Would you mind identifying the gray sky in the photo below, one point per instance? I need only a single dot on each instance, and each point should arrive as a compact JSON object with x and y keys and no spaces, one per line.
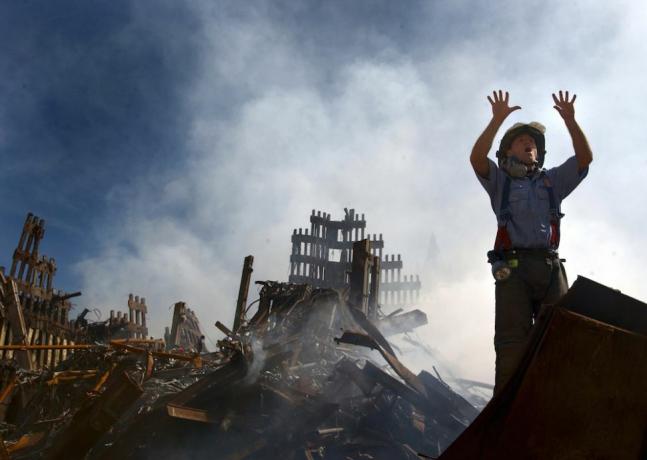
{"x":201,"y":132}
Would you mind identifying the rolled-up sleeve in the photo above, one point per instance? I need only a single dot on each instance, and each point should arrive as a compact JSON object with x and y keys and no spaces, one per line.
{"x":489,"y":183}
{"x":566,"y":177}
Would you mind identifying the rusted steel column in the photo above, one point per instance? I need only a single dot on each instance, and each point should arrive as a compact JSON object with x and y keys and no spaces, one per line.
{"x":358,"y":297}
{"x":242,"y":293}
{"x":374,"y":295}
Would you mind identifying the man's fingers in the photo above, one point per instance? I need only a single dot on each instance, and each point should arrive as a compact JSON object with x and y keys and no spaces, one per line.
{"x":516,"y":107}
{"x":496,"y":98}
{"x":566,"y":96}
{"x":558,"y":108}
{"x":561,"y":96}
{"x":555,"y":99}
{"x":500,"y":95}
{"x":490,"y":99}
{"x":507,"y":96}
{"x":574,"y":96}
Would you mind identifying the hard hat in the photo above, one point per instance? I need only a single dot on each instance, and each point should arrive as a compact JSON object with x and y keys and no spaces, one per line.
{"x":535,"y":129}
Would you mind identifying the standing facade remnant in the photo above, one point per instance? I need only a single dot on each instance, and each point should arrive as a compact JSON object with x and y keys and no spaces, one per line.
{"x":241,"y":303}
{"x":322,"y":257}
{"x":137,"y":309}
{"x":32,"y":311}
{"x":133,"y":324}
{"x":185,"y":330}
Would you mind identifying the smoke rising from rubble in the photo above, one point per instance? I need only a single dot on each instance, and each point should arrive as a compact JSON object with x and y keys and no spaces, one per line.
{"x":258,"y":362}
{"x":373,"y":108}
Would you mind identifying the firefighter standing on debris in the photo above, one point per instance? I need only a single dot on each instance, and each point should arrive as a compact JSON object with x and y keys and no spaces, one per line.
{"x":526,"y":200}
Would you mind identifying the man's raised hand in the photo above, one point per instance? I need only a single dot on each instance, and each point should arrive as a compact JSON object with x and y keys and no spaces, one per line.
{"x":500,"y":107}
{"x":565,"y":107}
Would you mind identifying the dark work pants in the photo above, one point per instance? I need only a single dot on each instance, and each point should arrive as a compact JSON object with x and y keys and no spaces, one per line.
{"x":535,"y":281}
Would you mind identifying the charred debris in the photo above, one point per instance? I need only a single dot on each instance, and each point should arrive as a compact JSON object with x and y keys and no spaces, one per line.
{"x":306,"y":371}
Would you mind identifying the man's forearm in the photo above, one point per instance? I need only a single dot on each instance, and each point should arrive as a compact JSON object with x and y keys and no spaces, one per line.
{"x":482,"y":147}
{"x":581,"y":146}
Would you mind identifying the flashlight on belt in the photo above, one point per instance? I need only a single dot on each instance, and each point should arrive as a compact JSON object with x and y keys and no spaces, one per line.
{"x":501,"y":268}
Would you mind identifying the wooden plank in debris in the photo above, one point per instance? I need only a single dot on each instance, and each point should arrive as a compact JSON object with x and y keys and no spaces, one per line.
{"x":241,"y":303}
{"x":189,"y":413}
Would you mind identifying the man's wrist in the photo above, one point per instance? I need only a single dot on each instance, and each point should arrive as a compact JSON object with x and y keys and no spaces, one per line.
{"x":570,"y":123}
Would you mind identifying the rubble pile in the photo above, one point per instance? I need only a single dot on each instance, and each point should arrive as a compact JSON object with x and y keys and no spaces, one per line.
{"x":308,"y":376}
{"x":304,"y":371}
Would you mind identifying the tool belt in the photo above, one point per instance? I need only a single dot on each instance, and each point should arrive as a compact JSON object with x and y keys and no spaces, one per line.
{"x":503,"y":262}
{"x":520,"y":253}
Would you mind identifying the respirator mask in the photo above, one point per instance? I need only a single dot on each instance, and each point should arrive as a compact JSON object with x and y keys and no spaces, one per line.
{"x":516,"y":168}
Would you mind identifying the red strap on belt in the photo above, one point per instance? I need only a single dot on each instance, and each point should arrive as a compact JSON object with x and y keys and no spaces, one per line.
{"x":554,"y":234}
{"x":502,"y":241}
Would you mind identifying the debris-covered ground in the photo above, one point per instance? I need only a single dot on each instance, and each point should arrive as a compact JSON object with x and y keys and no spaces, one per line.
{"x":306,"y":376}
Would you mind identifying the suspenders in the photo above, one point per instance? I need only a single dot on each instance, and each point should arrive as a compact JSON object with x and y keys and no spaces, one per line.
{"x":555,"y":214}
{"x":502,"y":241}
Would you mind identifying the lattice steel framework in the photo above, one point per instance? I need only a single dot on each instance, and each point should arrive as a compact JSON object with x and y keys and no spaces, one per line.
{"x":321,"y":256}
